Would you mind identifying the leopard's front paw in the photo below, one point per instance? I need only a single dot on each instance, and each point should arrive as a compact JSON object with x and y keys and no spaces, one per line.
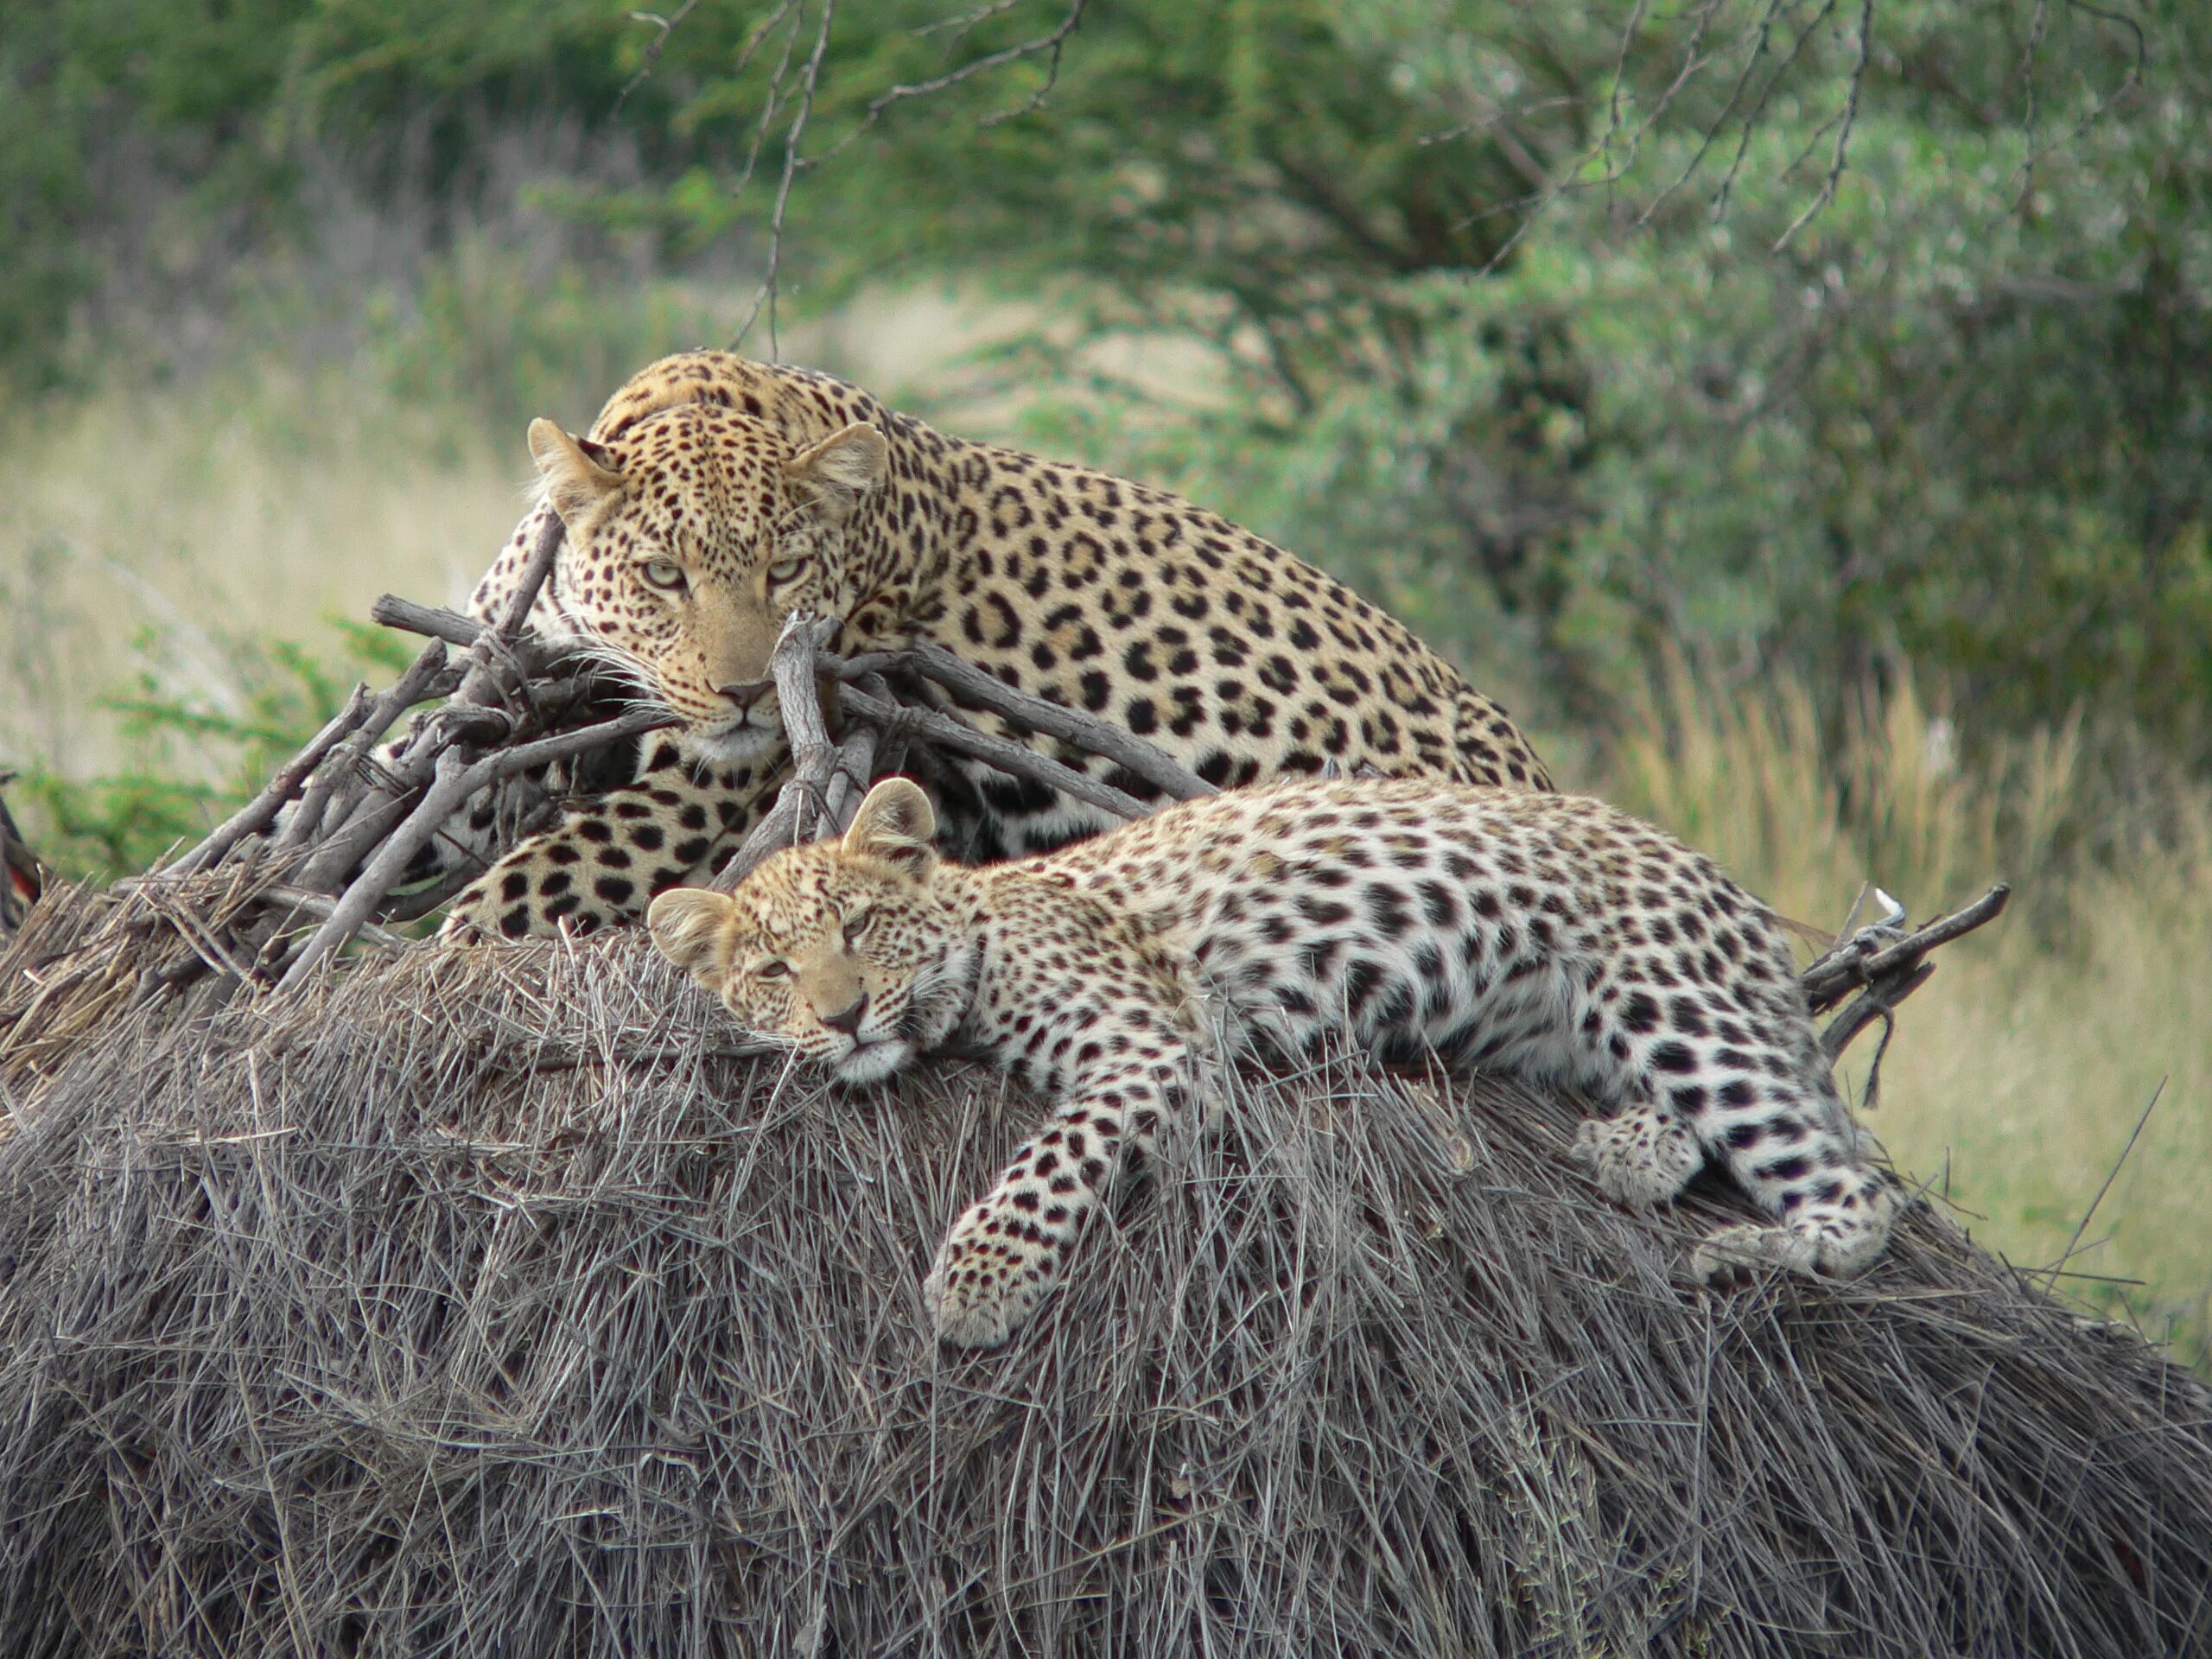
{"x":986,"y":1283}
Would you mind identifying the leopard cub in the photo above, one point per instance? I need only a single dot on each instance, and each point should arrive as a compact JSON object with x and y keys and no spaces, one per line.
{"x":1547,"y":936}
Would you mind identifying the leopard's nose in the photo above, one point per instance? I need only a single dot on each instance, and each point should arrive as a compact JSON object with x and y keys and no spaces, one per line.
{"x":848,"y":1021}
{"x":745,"y":696}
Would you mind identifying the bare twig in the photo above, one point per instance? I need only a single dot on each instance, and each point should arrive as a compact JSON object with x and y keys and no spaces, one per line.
{"x":321,"y":904}
{"x":490,"y":659}
{"x":261,"y":811}
{"x":1052,"y":41}
{"x":797,"y":814}
{"x":654,"y":47}
{"x":944,"y":732}
{"x":1852,"y":964}
{"x":972,"y":688}
{"x":1879,"y":1001}
{"x":343,"y":766}
{"x":810,"y":80}
{"x":2111,"y":1175}
{"x":2128,"y":82}
{"x":1766,"y":93}
{"x":455,"y":781}
{"x":1845,"y":121}
{"x":435,"y":622}
{"x":449,"y":792}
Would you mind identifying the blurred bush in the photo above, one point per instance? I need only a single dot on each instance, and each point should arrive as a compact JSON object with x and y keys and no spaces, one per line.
{"x":1574,"y":333}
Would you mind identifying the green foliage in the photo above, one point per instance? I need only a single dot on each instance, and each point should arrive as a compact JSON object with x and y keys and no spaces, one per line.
{"x":483,"y":332}
{"x":1575,"y":332}
{"x":113,"y":826}
{"x":97,"y":101}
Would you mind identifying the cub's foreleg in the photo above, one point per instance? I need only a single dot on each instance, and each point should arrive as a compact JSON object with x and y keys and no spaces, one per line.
{"x":1008,"y":1250}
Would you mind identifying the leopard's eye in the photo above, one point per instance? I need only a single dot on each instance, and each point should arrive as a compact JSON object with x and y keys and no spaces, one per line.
{"x":666,"y":574}
{"x":856,"y":926}
{"x":774,"y":968}
{"x":785,"y":570}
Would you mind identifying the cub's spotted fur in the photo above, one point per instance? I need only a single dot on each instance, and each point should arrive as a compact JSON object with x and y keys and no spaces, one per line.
{"x":715,"y":495}
{"x":1545,"y":935}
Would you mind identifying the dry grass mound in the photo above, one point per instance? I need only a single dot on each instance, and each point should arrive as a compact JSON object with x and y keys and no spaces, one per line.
{"x":493,"y":1304}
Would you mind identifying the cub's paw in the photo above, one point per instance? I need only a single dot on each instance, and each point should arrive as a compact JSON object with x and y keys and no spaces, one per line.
{"x":1641,"y":1157}
{"x":985,"y":1285}
{"x":1830,"y":1241}
{"x":1850,"y":1233}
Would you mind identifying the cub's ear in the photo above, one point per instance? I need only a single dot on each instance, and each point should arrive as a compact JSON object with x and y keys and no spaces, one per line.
{"x":688,"y":925}
{"x":842,"y":469}
{"x":895,"y":824}
{"x":577,"y":477}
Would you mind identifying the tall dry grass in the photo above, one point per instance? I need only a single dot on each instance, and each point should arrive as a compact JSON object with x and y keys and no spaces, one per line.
{"x":150,"y":532}
{"x":2019,"y":1075}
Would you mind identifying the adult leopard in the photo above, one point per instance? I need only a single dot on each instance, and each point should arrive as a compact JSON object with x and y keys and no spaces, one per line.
{"x":714,"y":495}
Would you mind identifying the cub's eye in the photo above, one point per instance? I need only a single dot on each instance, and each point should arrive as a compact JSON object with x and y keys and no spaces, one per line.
{"x":666,"y":574}
{"x":785,"y":570}
{"x":856,"y":926}
{"x":774,"y":968}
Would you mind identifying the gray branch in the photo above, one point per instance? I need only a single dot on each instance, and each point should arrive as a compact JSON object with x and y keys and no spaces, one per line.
{"x":973,"y":688}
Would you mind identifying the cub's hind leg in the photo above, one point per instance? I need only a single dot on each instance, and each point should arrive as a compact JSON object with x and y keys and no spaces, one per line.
{"x":1791,"y":1146}
{"x":1739,"y":1077}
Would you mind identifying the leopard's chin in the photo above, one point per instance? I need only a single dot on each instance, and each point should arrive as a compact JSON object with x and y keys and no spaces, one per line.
{"x":874,"y":1061}
{"x":747,"y":738}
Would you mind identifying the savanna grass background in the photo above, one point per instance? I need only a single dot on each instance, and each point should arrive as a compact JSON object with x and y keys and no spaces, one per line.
{"x":1879,"y":555}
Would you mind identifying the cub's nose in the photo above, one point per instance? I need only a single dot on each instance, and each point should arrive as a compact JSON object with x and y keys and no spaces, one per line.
{"x":848,"y":1021}
{"x":745,"y":696}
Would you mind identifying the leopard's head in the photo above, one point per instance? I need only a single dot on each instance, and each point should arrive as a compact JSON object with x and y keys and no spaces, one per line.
{"x":691,"y":536}
{"x":843,"y":950}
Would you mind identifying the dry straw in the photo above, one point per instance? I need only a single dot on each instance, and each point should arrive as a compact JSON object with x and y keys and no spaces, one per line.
{"x":493,"y":1303}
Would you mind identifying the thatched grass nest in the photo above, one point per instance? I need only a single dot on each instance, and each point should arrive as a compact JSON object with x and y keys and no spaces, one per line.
{"x":489,"y":1303}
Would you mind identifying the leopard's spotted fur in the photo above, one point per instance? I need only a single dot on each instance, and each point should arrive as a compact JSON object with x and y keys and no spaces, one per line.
{"x":715,"y":494}
{"x":1545,"y":935}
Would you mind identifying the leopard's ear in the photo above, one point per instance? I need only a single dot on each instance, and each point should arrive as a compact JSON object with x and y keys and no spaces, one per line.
{"x":895,"y":824}
{"x":576,"y":474}
{"x":689,"y":925}
{"x":842,"y":469}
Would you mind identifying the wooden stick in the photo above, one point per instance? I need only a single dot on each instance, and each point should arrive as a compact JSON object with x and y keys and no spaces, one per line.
{"x":433,"y":620}
{"x":971,"y":687}
{"x":1015,"y":758}
{"x":370,"y":816}
{"x":412,"y":687}
{"x":261,"y":811}
{"x":454,"y":781}
{"x":1876,"y":1003}
{"x":437,"y":622}
{"x":449,"y":790}
{"x":1852,"y":964}
{"x":543,"y":554}
{"x":799,"y":703}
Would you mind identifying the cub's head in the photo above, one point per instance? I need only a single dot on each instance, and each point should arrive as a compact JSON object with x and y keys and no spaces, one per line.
{"x":841,"y":950}
{"x":691,"y":536}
